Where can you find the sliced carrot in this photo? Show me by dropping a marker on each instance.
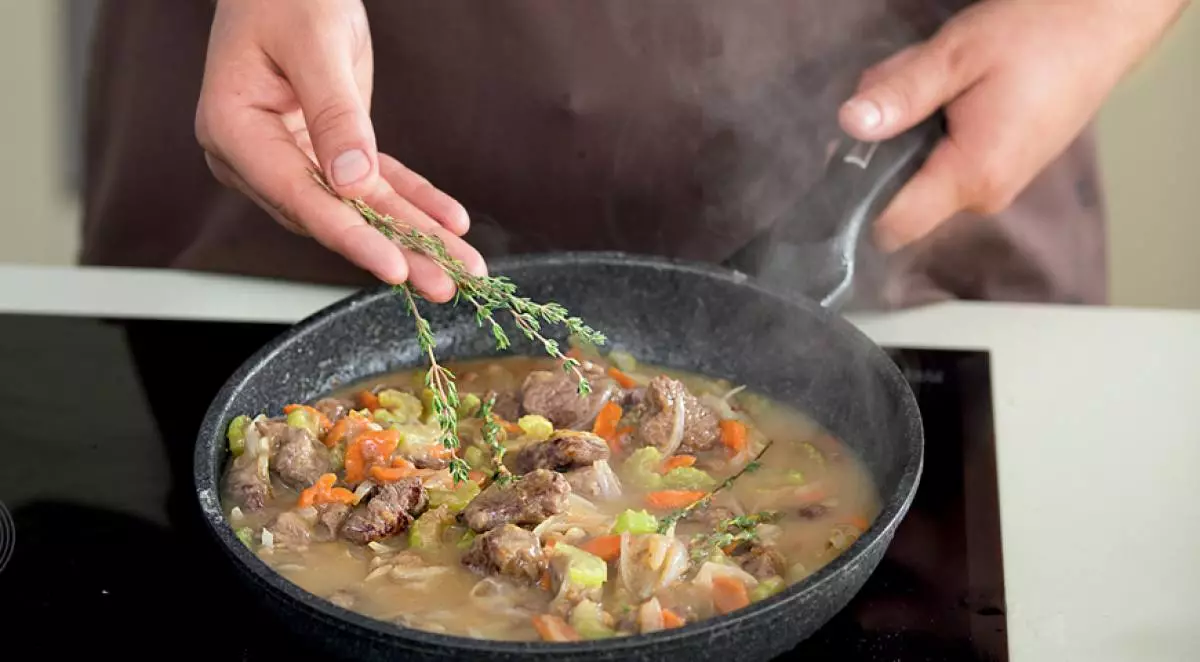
(621, 378)
(860, 523)
(551, 543)
(553, 628)
(606, 547)
(347, 426)
(367, 400)
(670, 499)
(389, 474)
(478, 476)
(322, 419)
(729, 594)
(733, 435)
(605, 426)
(323, 491)
(617, 443)
(509, 426)
(369, 447)
(676, 462)
(671, 619)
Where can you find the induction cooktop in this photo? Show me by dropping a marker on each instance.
(102, 550)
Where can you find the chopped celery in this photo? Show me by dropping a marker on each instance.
(426, 532)
(236, 434)
(796, 572)
(246, 535)
(455, 499)
(337, 457)
(688, 478)
(817, 457)
(588, 619)
(623, 360)
(426, 405)
(303, 418)
(538, 428)
(385, 418)
(584, 570)
(635, 521)
(475, 457)
(467, 540)
(641, 468)
(468, 405)
(405, 407)
(794, 478)
(766, 588)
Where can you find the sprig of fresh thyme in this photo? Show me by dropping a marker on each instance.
(488, 295)
(732, 532)
(667, 524)
(491, 436)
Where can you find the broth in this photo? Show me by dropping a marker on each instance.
(466, 569)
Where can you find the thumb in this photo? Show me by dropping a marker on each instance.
(900, 92)
(336, 112)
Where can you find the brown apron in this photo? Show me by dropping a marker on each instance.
(668, 127)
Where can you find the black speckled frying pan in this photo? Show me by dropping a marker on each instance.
(706, 319)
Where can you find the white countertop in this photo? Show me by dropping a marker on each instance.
(1097, 416)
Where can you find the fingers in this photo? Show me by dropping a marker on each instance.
(426, 276)
(933, 195)
(416, 189)
(335, 107)
(259, 156)
(903, 90)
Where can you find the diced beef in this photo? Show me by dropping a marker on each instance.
(762, 561)
(554, 394)
(710, 516)
(330, 517)
(565, 450)
(507, 550)
(333, 408)
(391, 511)
(424, 456)
(701, 427)
(292, 528)
(528, 500)
(301, 459)
(813, 511)
(507, 405)
(632, 398)
(275, 430)
(245, 486)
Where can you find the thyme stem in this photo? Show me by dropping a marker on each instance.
(667, 524)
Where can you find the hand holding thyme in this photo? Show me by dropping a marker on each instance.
(488, 295)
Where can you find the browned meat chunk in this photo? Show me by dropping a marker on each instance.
(330, 517)
(813, 511)
(762, 561)
(701, 427)
(528, 500)
(275, 430)
(710, 516)
(333, 408)
(554, 394)
(507, 550)
(301, 459)
(391, 511)
(245, 486)
(565, 450)
(292, 528)
(507, 406)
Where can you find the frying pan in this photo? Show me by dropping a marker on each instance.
(712, 320)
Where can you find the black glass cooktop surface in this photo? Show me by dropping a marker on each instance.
(103, 551)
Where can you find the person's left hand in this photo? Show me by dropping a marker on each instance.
(1019, 80)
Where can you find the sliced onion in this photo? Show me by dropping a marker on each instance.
(399, 573)
(625, 564)
(720, 406)
(675, 565)
(732, 392)
(380, 548)
(676, 438)
(650, 617)
(362, 491)
(235, 515)
(709, 570)
(607, 483)
(268, 539)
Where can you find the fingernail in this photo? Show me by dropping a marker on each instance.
(866, 114)
(349, 167)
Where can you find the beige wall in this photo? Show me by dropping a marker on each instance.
(1150, 141)
(1148, 138)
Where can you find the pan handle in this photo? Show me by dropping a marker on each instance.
(813, 250)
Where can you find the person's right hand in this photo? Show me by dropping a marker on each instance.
(287, 85)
